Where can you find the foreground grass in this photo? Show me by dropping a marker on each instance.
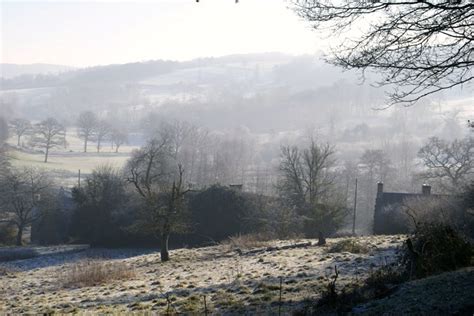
(220, 280)
(229, 282)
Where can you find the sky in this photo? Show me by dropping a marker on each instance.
(88, 33)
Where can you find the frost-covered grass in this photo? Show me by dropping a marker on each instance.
(94, 272)
(230, 282)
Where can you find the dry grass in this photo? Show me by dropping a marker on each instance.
(93, 272)
(248, 241)
(349, 245)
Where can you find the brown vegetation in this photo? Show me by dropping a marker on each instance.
(93, 272)
(349, 245)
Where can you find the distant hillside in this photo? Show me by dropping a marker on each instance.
(15, 70)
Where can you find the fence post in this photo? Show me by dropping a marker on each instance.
(279, 304)
(205, 305)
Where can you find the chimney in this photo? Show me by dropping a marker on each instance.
(379, 188)
(426, 189)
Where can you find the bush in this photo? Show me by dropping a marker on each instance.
(393, 219)
(92, 272)
(382, 279)
(380, 283)
(7, 234)
(51, 228)
(435, 248)
(218, 213)
(99, 202)
(349, 245)
(323, 218)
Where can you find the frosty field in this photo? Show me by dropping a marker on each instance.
(230, 282)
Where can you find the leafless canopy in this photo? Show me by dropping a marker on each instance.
(419, 46)
(305, 173)
(448, 161)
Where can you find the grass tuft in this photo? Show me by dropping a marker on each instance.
(92, 272)
(349, 245)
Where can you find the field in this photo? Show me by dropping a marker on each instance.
(64, 163)
(232, 281)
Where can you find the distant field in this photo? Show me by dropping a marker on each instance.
(64, 163)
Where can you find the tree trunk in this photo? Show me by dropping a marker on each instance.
(19, 236)
(19, 136)
(116, 148)
(164, 247)
(85, 144)
(98, 145)
(46, 155)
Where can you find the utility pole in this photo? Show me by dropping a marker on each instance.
(79, 179)
(355, 207)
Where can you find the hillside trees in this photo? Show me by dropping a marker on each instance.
(20, 127)
(48, 134)
(118, 138)
(419, 47)
(159, 181)
(23, 192)
(100, 132)
(86, 123)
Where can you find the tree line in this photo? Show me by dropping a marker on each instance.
(153, 196)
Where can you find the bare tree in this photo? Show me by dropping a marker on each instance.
(452, 162)
(420, 46)
(100, 132)
(22, 194)
(308, 185)
(48, 134)
(118, 138)
(86, 123)
(20, 127)
(306, 176)
(160, 184)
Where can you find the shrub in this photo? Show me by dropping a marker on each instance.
(92, 272)
(7, 234)
(323, 218)
(50, 228)
(434, 210)
(219, 212)
(349, 245)
(393, 219)
(380, 283)
(435, 248)
(381, 280)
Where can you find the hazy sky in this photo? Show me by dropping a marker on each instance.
(86, 33)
